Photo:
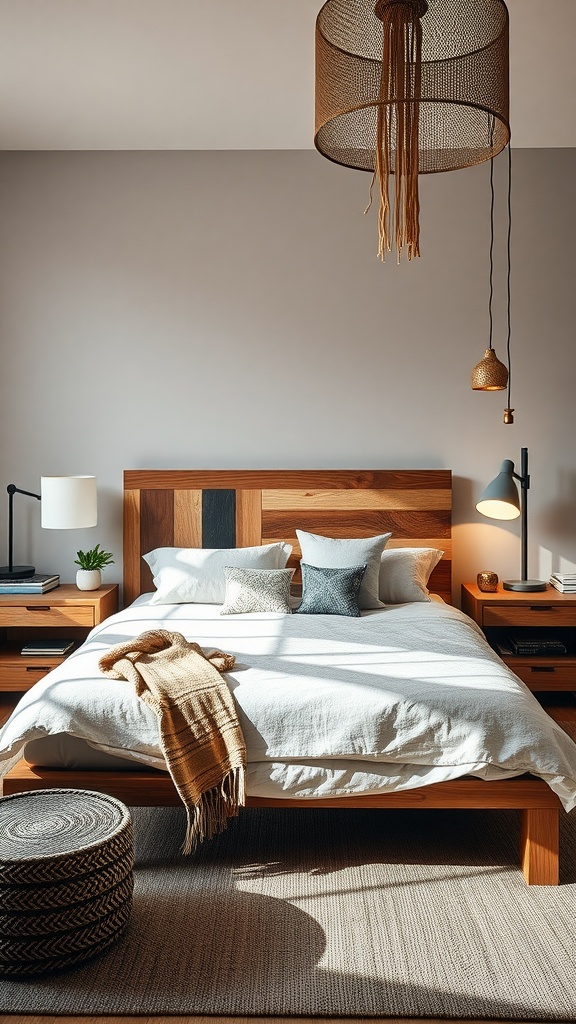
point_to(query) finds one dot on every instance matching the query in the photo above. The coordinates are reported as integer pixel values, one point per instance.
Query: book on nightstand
(564, 582)
(53, 647)
(528, 646)
(39, 583)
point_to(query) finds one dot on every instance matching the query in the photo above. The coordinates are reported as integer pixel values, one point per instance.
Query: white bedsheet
(401, 697)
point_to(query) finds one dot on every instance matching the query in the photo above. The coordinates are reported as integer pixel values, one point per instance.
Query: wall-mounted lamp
(500, 500)
(67, 503)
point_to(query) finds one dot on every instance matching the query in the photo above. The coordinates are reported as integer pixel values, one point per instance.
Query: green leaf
(96, 558)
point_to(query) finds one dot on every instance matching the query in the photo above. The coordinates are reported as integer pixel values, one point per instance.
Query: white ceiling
(222, 74)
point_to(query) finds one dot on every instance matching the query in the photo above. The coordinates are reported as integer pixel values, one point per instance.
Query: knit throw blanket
(200, 735)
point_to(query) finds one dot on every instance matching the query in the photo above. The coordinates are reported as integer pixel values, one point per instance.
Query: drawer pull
(37, 607)
(541, 608)
(37, 668)
(542, 668)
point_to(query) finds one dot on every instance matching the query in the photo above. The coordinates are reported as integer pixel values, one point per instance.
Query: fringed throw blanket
(200, 734)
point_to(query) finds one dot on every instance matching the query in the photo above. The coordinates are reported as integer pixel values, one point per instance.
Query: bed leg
(539, 846)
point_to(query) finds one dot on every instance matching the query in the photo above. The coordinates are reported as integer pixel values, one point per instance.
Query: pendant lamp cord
(509, 264)
(491, 233)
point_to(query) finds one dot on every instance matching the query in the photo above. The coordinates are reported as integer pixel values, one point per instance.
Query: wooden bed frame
(238, 508)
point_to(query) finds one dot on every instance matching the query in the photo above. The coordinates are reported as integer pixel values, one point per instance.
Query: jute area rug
(332, 913)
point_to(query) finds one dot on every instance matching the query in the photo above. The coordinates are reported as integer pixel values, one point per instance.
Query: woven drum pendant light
(406, 87)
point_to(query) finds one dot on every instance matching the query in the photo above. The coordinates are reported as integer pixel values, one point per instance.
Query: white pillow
(196, 575)
(332, 553)
(404, 574)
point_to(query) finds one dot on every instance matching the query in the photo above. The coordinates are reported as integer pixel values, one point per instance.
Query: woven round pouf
(66, 877)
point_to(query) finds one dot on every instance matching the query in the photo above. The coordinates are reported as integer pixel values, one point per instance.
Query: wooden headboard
(239, 508)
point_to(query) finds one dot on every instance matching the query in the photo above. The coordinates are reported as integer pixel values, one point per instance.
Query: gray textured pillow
(256, 590)
(329, 591)
(335, 553)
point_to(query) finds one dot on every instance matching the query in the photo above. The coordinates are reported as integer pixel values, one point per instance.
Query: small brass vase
(487, 582)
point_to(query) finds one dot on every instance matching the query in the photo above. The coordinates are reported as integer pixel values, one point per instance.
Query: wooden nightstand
(547, 613)
(544, 613)
(62, 612)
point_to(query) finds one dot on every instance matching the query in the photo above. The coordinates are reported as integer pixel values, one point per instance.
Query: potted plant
(89, 575)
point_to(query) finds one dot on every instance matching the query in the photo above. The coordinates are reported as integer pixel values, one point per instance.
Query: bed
(424, 648)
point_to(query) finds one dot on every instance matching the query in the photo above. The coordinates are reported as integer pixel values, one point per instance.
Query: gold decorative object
(406, 87)
(487, 582)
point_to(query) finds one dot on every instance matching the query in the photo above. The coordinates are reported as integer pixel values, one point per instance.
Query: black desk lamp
(68, 503)
(500, 501)
(11, 571)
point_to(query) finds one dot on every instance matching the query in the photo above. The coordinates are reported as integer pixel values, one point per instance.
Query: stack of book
(527, 645)
(565, 582)
(40, 583)
(44, 647)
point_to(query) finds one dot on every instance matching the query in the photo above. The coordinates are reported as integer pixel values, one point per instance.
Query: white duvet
(401, 697)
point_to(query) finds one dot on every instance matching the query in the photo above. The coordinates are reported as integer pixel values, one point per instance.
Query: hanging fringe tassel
(397, 124)
(216, 806)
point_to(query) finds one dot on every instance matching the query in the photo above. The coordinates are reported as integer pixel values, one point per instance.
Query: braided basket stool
(66, 877)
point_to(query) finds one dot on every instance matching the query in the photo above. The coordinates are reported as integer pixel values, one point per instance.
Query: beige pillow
(404, 574)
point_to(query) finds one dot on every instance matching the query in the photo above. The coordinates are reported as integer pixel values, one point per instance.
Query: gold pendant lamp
(404, 87)
(490, 374)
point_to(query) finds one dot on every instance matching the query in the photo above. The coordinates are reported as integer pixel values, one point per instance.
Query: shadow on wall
(558, 519)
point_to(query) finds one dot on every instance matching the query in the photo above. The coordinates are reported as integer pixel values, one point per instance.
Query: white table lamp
(67, 502)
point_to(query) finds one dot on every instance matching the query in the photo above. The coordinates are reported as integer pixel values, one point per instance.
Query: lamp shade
(409, 87)
(68, 502)
(464, 89)
(489, 374)
(500, 499)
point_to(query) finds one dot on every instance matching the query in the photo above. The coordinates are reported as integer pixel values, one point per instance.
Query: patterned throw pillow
(256, 590)
(330, 591)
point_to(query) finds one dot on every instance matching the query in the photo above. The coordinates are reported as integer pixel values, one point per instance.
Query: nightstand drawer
(528, 615)
(48, 615)
(22, 675)
(63, 613)
(544, 673)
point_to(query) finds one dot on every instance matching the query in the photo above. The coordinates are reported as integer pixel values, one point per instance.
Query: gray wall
(202, 309)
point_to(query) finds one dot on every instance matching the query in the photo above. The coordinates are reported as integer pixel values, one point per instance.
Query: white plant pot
(88, 579)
